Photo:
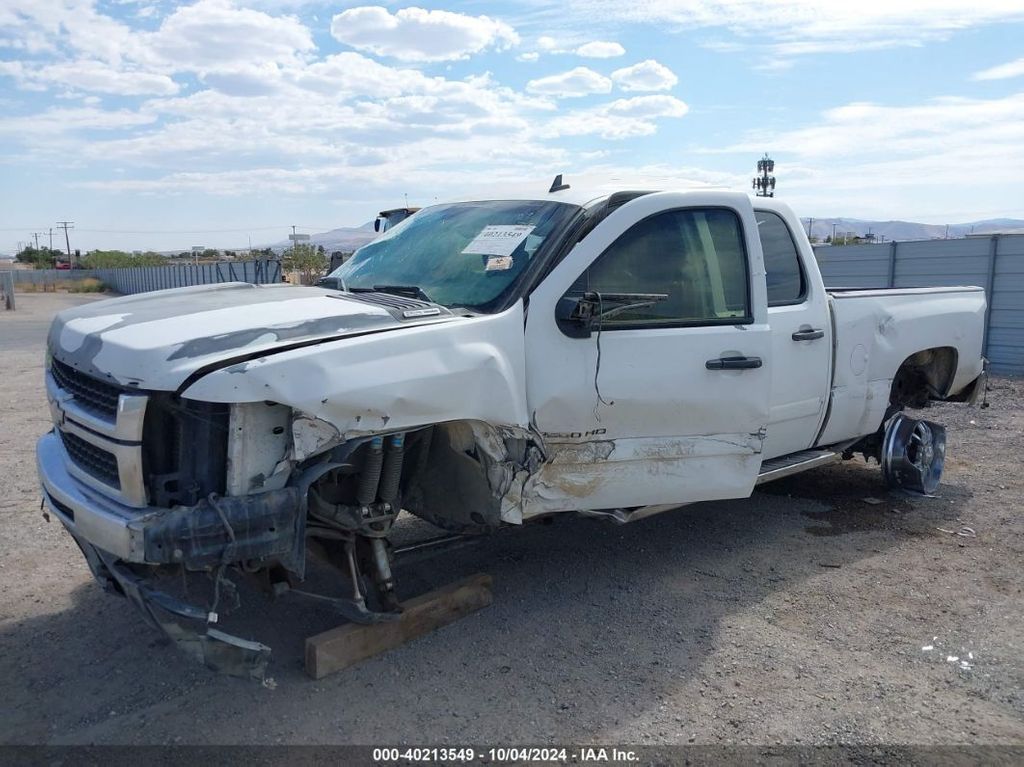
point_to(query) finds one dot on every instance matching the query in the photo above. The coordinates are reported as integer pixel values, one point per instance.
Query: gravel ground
(798, 616)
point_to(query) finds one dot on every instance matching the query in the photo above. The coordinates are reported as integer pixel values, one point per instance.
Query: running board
(794, 463)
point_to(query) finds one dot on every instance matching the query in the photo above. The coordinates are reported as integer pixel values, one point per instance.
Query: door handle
(733, 363)
(808, 335)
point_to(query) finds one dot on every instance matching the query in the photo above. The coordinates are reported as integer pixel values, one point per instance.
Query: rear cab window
(785, 275)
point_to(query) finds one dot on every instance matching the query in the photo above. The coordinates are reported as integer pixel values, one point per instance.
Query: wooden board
(346, 645)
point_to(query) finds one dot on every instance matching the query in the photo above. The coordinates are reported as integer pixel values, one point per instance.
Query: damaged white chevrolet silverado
(481, 364)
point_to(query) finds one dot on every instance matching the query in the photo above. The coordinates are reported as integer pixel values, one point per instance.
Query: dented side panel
(469, 369)
(640, 472)
(877, 330)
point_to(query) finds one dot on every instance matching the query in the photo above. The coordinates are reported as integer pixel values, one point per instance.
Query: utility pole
(36, 236)
(764, 183)
(65, 225)
(51, 238)
(810, 229)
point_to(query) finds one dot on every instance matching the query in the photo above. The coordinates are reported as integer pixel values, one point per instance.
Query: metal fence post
(990, 281)
(8, 290)
(892, 265)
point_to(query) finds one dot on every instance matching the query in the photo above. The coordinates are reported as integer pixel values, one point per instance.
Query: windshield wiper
(409, 291)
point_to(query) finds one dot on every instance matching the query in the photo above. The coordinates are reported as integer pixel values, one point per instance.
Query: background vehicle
(489, 363)
(384, 221)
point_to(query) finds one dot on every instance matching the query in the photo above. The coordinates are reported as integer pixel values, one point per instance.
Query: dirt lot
(798, 616)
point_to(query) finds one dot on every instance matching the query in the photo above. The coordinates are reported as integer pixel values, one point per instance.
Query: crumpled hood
(156, 340)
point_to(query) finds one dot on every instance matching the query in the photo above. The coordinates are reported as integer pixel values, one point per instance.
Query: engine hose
(392, 472)
(369, 478)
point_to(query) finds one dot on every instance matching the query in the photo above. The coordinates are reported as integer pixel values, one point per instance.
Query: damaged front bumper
(119, 540)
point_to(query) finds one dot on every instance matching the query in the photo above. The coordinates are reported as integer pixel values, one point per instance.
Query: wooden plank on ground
(346, 645)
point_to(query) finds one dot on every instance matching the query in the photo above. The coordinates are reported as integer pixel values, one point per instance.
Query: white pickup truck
(481, 364)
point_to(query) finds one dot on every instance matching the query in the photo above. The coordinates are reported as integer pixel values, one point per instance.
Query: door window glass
(695, 257)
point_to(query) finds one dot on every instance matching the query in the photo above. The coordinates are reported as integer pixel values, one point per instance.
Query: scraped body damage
(467, 368)
(605, 474)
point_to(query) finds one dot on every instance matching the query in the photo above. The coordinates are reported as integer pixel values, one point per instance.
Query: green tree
(40, 258)
(307, 261)
(114, 259)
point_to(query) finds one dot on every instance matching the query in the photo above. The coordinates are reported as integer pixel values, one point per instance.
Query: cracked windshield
(464, 254)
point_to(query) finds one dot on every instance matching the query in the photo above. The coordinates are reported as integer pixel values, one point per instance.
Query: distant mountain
(886, 231)
(345, 238)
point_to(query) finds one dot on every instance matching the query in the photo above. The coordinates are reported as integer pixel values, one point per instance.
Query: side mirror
(574, 316)
(376, 224)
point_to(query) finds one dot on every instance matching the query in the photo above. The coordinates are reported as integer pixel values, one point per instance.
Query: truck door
(801, 338)
(661, 403)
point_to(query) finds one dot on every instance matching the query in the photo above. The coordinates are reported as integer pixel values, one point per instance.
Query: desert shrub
(88, 285)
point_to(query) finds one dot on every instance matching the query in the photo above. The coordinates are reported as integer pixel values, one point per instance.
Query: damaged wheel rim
(913, 454)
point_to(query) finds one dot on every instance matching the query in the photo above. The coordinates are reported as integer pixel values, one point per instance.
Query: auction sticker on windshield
(498, 240)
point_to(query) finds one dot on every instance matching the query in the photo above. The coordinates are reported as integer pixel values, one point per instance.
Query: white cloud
(619, 119)
(547, 43)
(936, 129)
(57, 121)
(648, 75)
(599, 49)
(529, 57)
(416, 34)
(37, 26)
(94, 76)
(214, 33)
(796, 27)
(864, 157)
(209, 36)
(1003, 71)
(576, 82)
(223, 100)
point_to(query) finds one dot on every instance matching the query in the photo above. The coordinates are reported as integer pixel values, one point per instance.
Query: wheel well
(450, 484)
(924, 376)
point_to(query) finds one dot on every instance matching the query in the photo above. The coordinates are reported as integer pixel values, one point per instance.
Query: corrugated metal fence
(6, 291)
(995, 263)
(142, 279)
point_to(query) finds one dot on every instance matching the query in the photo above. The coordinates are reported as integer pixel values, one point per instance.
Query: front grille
(92, 394)
(94, 461)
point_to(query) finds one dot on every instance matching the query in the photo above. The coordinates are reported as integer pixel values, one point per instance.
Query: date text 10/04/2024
(504, 754)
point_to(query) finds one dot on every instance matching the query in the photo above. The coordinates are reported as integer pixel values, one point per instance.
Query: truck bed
(876, 330)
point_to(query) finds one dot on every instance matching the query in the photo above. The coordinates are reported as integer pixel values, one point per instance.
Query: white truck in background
(486, 363)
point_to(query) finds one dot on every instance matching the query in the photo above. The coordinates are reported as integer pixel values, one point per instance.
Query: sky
(159, 125)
